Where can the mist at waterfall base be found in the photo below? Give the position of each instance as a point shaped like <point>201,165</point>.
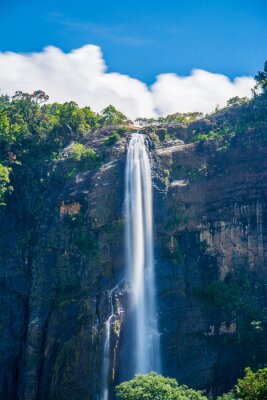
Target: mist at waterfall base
<point>140,350</point>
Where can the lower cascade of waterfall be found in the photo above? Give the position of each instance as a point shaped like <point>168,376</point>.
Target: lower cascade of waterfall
<point>140,257</point>
<point>106,352</point>
<point>115,298</point>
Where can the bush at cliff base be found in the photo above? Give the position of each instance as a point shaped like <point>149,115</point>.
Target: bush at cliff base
<point>153,386</point>
<point>252,387</point>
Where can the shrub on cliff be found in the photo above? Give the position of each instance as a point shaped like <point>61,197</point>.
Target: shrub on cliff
<point>113,138</point>
<point>219,295</point>
<point>79,152</point>
<point>153,386</point>
<point>82,158</point>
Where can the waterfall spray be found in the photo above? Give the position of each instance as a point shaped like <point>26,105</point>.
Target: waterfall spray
<point>140,256</point>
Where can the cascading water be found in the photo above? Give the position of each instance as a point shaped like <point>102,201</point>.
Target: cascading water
<point>140,256</point>
<point>106,352</point>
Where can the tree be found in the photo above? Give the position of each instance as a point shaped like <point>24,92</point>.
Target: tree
<point>111,116</point>
<point>253,386</point>
<point>261,78</point>
<point>171,118</point>
<point>237,101</point>
<point>40,96</point>
<point>153,386</point>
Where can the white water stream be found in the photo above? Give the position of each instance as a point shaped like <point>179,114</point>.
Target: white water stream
<point>106,353</point>
<point>140,267</point>
<point>140,256</point>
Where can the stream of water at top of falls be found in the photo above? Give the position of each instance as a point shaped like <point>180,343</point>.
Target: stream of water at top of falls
<point>140,256</point>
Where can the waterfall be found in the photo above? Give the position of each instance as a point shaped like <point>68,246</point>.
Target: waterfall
<point>106,352</point>
<point>140,256</point>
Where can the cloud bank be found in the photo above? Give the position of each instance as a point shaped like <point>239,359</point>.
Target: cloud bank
<point>82,76</point>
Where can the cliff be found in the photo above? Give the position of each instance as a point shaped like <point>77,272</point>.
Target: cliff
<point>62,250</point>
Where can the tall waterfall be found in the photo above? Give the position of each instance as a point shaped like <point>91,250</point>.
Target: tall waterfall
<point>140,256</point>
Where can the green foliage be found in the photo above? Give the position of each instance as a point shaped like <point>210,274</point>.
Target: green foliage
<point>201,137</point>
<point>112,139</point>
<point>253,386</point>
<point>82,157</point>
<point>121,130</point>
<point>153,386</point>
<point>146,121</point>
<point>34,133</point>
<point>177,118</point>
<point>213,134</point>
<point>228,396</point>
<point>30,128</point>
<point>74,119</point>
<point>111,116</point>
<point>71,172</point>
<point>251,116</point>
<point>4,182</point>
<point>261,78</point>
<point>79,152</point>
<point>237,101</point>
<point>237,299</point>
<point>220,295</point>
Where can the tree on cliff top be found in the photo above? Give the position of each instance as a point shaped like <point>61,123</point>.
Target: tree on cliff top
<point>153,386</point>
<point>111,116</point>
<point>261,78</point>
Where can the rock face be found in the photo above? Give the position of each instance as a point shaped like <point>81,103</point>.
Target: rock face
<point>62,250</point>
<point>211,228</point>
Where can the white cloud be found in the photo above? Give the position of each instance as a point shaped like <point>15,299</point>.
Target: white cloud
<point>82,76</point>
<point>201,91</point>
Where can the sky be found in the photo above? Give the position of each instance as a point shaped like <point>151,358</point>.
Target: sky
<point>147,57</point>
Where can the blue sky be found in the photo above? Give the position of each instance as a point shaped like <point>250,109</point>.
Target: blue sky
<point>145,38</point>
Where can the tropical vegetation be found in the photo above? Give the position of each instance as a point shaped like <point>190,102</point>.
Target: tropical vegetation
<point>153,386</point>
